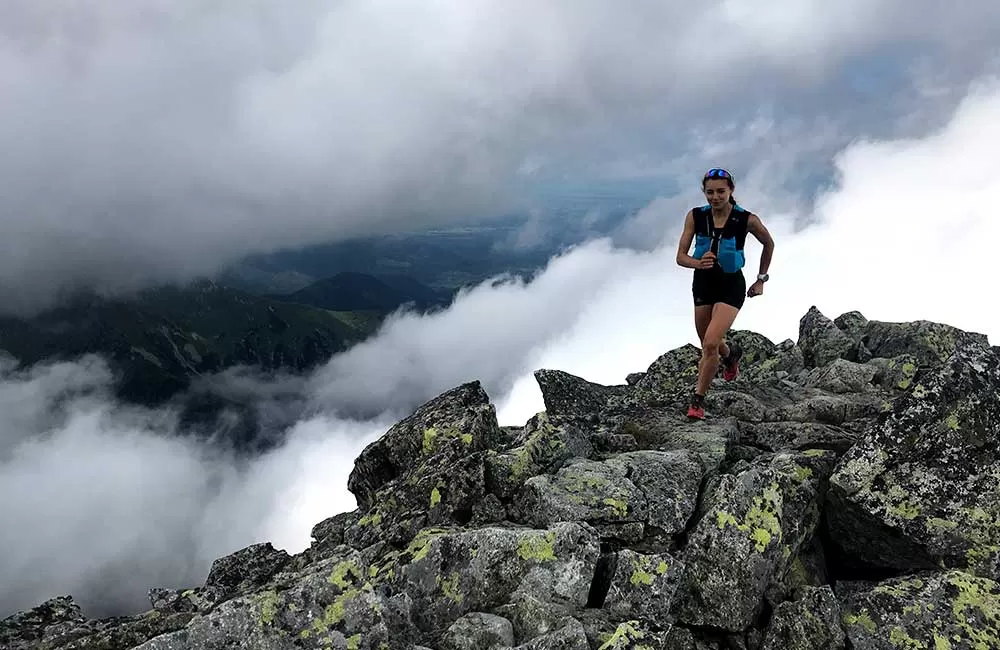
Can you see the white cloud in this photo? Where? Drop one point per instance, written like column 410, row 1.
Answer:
column 105, row 502
column 149, row 141
column 488, row 334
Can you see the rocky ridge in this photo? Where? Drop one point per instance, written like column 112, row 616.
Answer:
column 843, row 493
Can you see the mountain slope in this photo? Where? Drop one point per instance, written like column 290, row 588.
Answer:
column 160, row 339
column 443, row 260
column 841, row 494
column 352, row 291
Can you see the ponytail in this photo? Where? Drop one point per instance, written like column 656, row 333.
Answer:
column 732, row 200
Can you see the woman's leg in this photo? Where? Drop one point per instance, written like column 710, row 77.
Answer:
column 702, row 317
column 722, row 318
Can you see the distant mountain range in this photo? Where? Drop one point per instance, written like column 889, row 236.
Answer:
column 442, row 261
column 160, row 339
column 352, row 291
column 288, row 311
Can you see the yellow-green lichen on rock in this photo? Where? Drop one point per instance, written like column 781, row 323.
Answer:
column 420, row 545
column 899, row 504
column 760, row 523
column 862, row 618
column 371, row 518
column 620, row 506
column 640, row 572
column 344, row 570
column 908, row 370
column 537, row 547
column 624, row 636
column 333, row 614
column 450, row 587
column 268, row 604
column 947, row 609
column 434, row 437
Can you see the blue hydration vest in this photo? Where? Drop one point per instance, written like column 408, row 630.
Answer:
column 726, row 242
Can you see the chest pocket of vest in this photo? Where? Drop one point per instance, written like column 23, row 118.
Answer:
column 731, row 259
column 702, row 244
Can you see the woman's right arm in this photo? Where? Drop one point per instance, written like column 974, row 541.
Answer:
column 683, row 259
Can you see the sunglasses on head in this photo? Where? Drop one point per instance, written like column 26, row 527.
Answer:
column 717, row 172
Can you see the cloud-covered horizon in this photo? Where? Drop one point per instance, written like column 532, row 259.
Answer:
column 148, row 142
column 104, row 501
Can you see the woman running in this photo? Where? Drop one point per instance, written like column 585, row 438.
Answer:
column 719, row 231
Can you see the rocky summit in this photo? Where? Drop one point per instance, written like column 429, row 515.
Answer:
column 843, row 492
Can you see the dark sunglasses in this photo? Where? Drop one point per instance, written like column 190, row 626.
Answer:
column 717, row 172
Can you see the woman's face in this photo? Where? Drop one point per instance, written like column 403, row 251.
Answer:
column 717, row 192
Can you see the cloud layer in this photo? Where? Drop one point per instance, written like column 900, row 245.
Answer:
column 148, row 141
column 105, row 501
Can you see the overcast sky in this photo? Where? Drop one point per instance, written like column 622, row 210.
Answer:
column 155, row 140
column 152, row 140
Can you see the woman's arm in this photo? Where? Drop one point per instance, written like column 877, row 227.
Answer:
column 757, row 229
column 685, row 260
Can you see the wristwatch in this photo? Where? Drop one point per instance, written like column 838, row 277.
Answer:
column 763, row 277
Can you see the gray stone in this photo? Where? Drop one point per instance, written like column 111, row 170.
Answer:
column 479, row 631
column 949, row 609
column 810, row 623
column 921, row 490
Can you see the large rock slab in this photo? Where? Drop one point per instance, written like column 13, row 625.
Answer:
column 778, row 436
column 658, row 489
column 662, row 430
column 428, row 469
column 450, row 574
column 810, row 623
column 479, row 631
column 571, row 636
column 567, row 396
column 951, row 609
column 642, row 586
column 926, row 342
column 757, row 521
column 823, row 342
column 922, row 489
column 542, row 447
column 453, row 425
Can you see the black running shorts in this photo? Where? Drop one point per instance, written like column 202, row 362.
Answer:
column 714, row 285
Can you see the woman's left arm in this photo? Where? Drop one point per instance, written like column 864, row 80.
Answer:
column 758, row 230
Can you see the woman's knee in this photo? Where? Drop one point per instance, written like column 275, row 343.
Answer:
column 711, row 346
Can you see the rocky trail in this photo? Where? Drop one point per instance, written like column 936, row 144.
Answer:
column 842, row 494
